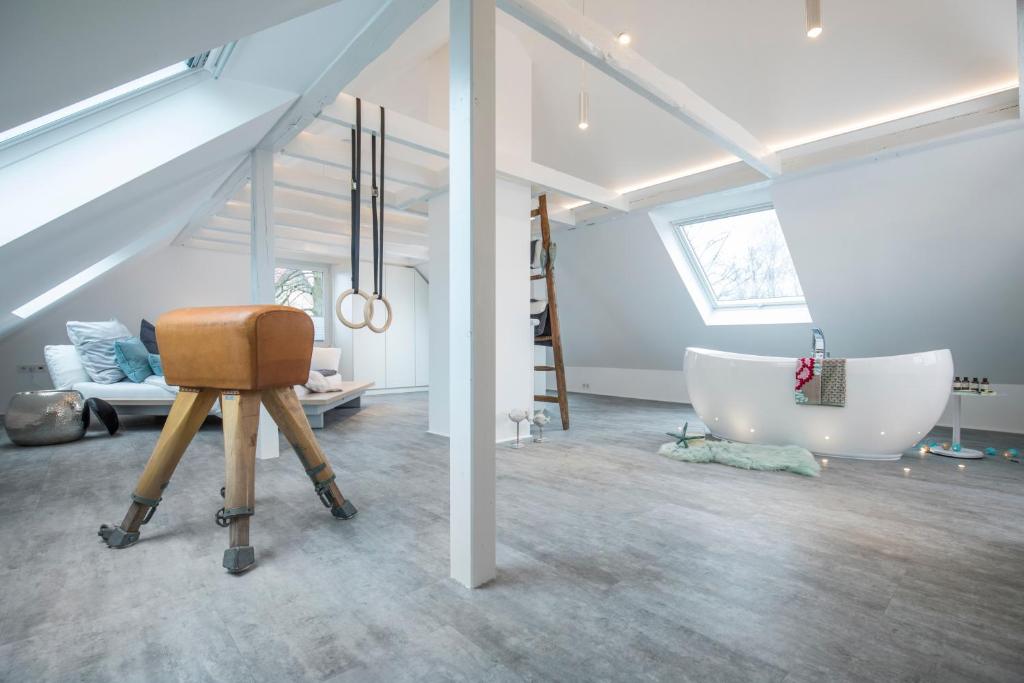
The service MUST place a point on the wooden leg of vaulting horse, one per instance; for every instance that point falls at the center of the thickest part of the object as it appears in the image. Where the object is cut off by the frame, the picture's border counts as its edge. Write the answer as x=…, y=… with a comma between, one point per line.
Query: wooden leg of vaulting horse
x=187, y=413
x=241, y=411
x=283, y=405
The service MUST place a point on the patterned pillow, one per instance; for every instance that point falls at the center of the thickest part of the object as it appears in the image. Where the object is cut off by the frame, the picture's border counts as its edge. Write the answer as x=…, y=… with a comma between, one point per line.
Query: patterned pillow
x=133, y=359
x=94, y=342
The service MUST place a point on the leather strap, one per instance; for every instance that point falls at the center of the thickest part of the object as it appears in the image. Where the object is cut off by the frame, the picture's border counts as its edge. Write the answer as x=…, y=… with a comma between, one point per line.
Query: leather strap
x=357, y=162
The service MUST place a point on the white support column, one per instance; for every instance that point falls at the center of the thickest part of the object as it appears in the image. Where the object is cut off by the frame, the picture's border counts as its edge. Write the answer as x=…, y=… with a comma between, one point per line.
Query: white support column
x=1020, y=58
x=472, y=258
x=261, y=269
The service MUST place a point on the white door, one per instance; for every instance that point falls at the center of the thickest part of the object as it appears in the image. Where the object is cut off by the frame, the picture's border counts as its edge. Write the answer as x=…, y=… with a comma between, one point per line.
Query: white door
x=422, y=331
x=400, y=289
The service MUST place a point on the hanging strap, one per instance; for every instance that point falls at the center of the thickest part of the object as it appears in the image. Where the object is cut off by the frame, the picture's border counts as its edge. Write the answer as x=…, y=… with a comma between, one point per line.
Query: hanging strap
x=379, y=285
x=373, y=210
x=357, y=153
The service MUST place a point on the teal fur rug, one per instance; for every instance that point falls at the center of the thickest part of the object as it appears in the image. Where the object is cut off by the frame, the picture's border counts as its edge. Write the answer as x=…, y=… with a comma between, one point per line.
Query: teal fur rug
x=747, y=456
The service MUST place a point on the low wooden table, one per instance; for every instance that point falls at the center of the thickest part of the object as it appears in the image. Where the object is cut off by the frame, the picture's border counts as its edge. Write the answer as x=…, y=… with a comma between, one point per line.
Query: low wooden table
x=313, y=405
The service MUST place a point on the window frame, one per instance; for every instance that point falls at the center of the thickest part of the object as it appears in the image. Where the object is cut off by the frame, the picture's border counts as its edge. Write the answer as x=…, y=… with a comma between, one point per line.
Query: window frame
x=702, y=276
x=669, y=218
x=325, y=268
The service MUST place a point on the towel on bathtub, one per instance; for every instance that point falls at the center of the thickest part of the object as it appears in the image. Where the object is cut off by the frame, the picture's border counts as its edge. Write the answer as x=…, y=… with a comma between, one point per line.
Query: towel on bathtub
x=826, y=387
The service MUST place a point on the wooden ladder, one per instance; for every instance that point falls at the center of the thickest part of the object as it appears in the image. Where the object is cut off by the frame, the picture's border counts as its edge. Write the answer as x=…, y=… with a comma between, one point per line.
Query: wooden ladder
x=555, y=339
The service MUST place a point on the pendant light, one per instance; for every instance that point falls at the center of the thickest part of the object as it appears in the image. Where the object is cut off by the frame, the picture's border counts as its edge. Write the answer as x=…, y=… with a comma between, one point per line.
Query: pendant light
x=813, y=18
x=584, y=120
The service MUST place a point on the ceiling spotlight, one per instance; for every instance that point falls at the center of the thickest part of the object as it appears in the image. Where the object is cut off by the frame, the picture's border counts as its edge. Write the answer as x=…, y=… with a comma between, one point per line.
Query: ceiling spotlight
x=813, y=18
x=624, y=38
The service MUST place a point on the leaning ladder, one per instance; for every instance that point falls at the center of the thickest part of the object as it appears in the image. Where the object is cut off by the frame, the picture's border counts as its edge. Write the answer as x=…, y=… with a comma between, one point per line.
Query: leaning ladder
x=555, y=340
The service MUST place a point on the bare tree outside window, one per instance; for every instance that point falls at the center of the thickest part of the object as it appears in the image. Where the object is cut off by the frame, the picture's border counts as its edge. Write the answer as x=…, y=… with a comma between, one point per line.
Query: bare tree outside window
x=743, y=259
x=302, y=289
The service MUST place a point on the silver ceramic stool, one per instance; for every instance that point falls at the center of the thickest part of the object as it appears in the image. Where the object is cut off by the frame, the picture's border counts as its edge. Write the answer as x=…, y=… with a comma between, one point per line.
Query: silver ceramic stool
x=44, y=418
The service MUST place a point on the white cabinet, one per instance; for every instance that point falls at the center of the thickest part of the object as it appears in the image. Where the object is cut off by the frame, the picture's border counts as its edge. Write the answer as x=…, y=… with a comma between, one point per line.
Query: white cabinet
x=400, y=339
x=395, y=359
x=422, y=331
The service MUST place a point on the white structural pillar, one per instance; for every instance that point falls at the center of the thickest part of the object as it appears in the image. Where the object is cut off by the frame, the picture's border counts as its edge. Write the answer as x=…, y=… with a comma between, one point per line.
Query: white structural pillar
x=472, y=258
x=261, y=269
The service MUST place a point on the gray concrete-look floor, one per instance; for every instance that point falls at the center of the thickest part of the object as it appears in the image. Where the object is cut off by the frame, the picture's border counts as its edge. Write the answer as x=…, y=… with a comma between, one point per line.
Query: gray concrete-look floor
x=614, y=564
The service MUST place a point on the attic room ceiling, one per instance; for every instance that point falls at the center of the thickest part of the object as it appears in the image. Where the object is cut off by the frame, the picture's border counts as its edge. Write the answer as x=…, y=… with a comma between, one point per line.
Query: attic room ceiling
x=876, y=60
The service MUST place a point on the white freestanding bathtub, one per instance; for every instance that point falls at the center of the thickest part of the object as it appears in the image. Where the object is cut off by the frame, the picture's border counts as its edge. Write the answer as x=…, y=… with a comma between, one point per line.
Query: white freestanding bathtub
x=891, y=402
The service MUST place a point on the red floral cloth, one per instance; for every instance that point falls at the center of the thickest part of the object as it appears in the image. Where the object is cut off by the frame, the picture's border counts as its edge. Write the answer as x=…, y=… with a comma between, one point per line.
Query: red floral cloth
x=804, y=372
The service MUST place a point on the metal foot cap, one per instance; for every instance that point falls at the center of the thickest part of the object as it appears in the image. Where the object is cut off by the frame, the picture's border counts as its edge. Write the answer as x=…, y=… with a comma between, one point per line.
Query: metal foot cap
x=237, y=560
x=345, y=511
x=116, y=537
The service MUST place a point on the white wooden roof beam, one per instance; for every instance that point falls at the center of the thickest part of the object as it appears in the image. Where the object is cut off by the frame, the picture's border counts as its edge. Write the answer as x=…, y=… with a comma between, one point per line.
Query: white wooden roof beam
x=379, y=34
x=597, y=46
x=334, y=152
x=405, y=130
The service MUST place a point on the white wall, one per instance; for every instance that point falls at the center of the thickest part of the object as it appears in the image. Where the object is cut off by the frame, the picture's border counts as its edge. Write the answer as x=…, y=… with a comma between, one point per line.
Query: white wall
x=919, y=251
x=170, y=278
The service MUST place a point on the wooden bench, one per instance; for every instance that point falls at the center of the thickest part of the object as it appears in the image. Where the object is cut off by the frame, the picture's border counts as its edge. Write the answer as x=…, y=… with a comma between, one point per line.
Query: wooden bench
x=314, y=405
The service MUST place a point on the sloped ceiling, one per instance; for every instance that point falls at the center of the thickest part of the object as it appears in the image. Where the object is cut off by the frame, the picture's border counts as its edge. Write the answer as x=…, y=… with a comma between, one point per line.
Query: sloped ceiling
x=54, y=53
x=914, y=252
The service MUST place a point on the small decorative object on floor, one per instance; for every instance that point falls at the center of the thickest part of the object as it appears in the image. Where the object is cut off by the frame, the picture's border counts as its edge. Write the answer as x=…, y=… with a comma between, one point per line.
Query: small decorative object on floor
x=518, y=416
x=540, y=418
x=681, y=438
x=747, y=456
x=47, y=418
x=991, y=451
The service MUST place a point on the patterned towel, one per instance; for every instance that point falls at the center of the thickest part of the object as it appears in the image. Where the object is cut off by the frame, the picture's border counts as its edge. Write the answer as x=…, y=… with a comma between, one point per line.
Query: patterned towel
x=820, y=384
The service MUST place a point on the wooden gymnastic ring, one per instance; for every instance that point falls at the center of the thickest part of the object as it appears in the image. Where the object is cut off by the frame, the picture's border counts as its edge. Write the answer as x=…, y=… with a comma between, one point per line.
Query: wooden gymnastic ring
x=341, y=316
x=368, y=314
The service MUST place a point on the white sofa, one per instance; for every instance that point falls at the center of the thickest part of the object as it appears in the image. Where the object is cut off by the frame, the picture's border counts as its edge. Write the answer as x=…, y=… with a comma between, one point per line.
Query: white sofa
x=154, y=396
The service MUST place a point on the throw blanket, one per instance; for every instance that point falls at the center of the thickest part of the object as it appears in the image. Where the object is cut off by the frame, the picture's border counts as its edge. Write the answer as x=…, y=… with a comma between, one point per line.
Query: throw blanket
x=747, y=456
x=319, y=382
x=820, y=383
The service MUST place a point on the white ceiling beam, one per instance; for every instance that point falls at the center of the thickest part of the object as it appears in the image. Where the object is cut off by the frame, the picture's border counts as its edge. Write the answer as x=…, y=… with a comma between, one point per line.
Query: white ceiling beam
x=405, y=130
x=234, y=218
x=334, y=152
x=227, y=189
x=300, y=245
x=379, y=33
x=1020, y=57
x=596, y=45
x=301, y=180
x=336, y=208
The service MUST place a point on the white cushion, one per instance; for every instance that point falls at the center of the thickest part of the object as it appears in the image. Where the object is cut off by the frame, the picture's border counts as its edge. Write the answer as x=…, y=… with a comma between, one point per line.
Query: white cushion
x=94, y=342
x=326, y=358
x=319, y=384
x=64, y=366
x=125, y=390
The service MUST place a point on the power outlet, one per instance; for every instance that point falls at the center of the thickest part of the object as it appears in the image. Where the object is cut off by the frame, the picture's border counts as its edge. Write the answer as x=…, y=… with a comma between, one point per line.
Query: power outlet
x=586, y=387
x=34, y=367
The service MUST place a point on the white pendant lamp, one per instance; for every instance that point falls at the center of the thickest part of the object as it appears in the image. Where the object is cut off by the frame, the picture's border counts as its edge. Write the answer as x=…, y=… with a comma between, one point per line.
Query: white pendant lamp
x=584, y=120
x=813, y=18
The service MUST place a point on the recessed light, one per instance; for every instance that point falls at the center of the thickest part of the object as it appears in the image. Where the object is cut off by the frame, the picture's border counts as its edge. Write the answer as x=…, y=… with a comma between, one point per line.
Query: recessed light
x=813, y=18
x=624, y=38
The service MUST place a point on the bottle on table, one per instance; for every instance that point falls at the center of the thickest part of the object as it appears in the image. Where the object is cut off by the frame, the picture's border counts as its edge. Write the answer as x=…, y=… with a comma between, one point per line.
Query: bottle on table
x=975, y=385
x=986, y=388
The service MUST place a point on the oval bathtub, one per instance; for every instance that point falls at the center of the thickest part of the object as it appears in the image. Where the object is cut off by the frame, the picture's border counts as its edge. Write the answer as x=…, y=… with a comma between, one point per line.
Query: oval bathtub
x=891, y=402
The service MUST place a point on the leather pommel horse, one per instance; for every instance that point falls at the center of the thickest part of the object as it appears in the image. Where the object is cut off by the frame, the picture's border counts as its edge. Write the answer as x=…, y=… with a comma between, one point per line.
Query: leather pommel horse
x=245, y=355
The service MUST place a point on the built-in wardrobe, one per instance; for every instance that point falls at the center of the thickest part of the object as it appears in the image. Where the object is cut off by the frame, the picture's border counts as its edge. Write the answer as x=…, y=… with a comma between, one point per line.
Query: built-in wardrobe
x=396, y=359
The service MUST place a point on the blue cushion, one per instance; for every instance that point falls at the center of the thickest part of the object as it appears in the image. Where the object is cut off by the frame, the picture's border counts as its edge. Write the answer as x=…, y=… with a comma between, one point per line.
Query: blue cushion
x=155, y=364
x=133, y=358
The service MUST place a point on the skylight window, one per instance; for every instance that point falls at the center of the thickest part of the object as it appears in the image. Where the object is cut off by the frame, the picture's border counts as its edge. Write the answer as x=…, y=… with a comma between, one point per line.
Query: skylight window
x=742, y=259
x=731, y=254
x=98, y=101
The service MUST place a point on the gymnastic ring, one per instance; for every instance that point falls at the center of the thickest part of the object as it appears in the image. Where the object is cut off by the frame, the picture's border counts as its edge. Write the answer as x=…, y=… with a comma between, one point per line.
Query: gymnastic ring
x=368, y=314
x=341, y=316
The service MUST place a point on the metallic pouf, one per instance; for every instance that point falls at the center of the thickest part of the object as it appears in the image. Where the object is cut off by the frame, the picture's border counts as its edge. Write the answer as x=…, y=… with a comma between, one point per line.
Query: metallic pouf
x=43, y=418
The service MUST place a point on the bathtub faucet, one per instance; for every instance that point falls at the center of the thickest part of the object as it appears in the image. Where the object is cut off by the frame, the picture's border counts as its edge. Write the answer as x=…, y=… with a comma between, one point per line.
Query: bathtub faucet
x=818, y=342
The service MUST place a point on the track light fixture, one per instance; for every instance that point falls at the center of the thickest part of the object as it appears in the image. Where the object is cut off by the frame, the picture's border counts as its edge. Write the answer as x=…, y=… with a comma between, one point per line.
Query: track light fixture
x=813, y=18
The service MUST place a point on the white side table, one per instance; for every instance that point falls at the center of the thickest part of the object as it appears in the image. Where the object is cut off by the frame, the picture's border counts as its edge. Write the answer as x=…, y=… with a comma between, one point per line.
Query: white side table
x=969, y=453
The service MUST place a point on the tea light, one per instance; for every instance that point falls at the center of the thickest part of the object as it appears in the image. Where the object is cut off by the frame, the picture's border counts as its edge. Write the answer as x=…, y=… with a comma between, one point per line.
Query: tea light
x=961, y=466
x=906, y=470
x=824, y=461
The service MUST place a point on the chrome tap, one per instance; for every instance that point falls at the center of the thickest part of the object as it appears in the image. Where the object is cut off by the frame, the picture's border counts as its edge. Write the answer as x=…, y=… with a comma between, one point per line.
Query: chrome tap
x=818, y=342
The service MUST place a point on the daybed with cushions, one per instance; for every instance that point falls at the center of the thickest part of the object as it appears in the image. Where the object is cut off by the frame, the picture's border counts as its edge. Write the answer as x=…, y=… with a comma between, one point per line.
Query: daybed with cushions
x=95, y=364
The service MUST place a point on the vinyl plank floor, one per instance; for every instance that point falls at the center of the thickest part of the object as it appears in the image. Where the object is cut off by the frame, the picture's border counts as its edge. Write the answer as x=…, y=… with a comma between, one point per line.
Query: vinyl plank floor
x=614, y=563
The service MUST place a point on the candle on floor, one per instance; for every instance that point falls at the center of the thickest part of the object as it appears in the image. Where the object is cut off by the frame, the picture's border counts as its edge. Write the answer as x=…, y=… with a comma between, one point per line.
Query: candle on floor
x=824, y=461
x=961, y=466
x=906, y=470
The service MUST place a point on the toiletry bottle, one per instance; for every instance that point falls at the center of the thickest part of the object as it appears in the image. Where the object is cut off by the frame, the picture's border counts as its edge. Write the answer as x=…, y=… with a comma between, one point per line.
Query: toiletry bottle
x=957, y=385
x=975, y=385
x=986, y=388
